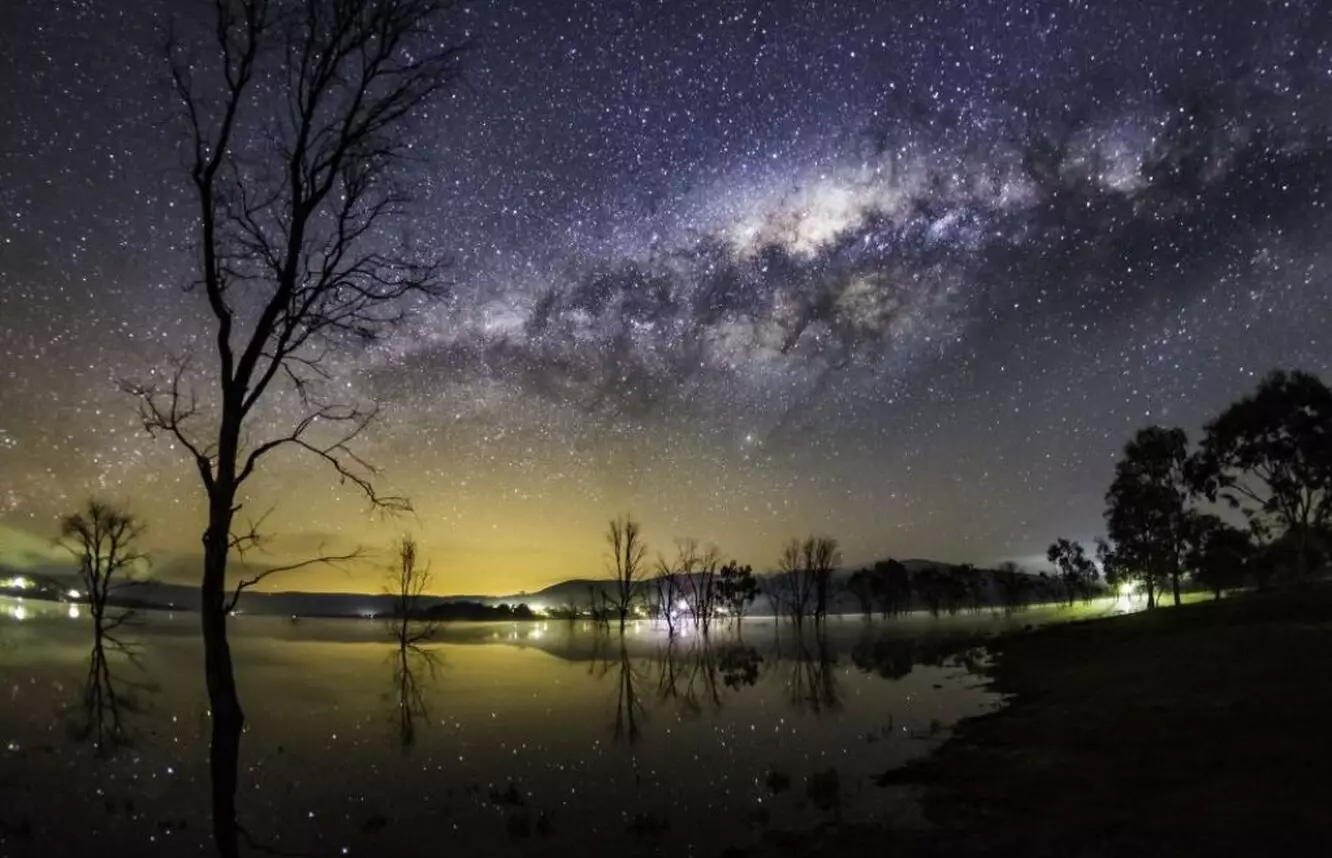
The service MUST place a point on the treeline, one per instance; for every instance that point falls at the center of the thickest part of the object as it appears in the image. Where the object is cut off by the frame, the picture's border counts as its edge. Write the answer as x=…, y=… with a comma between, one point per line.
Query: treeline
x=1266, y=461
x=889, y=589
x=695, y=589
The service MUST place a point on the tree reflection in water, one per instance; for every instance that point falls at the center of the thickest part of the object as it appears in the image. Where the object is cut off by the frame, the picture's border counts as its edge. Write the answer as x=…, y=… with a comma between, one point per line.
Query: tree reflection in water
x=109, y=698
x=630, y=710
x=812, y=684
x=415, y=668
x=695, y=677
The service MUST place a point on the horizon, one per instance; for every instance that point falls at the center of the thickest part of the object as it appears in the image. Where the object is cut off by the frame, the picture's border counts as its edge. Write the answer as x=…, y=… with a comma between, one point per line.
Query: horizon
x=791, y=276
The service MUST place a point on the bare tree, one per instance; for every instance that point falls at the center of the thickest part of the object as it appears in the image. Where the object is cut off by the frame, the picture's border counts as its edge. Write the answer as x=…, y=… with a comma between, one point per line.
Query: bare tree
x=668, y=592
x=408, y=583
x=820, y=559
x=106, y=542
x=793, y=586
x=624, y=537
x=294, y=119
x=700, y=582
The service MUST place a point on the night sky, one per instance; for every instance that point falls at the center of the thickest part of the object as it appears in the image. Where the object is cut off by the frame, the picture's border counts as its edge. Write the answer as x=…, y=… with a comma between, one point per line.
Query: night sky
x=908, y=274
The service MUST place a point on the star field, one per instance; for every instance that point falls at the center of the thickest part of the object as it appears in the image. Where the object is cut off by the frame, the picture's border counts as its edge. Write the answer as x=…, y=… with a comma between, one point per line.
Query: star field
x=908, y=274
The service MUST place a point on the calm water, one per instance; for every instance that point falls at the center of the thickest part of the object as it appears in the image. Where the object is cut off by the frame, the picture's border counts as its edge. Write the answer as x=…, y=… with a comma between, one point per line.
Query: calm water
x=507, y=739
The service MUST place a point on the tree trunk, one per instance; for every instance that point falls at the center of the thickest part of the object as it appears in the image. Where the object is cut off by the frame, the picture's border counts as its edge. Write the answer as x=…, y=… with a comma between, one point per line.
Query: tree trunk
x=1151, y=593
x=1174, y=581
x=224, y=702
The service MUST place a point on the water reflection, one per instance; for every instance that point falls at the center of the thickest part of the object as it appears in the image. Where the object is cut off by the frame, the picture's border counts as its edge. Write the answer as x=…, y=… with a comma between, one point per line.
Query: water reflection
x=630, y=709
x=415, y=671
x=663, y=730
x=886, y=656
x=695, y=676
x=812, y=683
x=111, y=695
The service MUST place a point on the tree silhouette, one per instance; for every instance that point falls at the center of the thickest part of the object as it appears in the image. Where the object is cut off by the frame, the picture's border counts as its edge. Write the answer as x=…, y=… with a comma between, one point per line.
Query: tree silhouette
x=1219, y=554
x=793, y=587
x=861, y=586
x=892, y=587
x=624, y=538
x=105, y=540
x=700, y=584
x=291, y=210
x=737, y=588
x=1012, y=586
x=408, y=583
x=1270, y=455
x=668, y=589
x=1146, y=507
x=821, y=560
x=1076, y=569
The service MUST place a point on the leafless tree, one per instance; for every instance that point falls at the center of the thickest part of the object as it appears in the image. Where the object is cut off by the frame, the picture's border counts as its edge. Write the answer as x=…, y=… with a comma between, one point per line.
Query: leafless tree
x=295, y=117
x=408, y=583
x=105, y=540
x=820, y=560
x=624, y=538
x=700, y=582
x=668, y=592
x=793, y=588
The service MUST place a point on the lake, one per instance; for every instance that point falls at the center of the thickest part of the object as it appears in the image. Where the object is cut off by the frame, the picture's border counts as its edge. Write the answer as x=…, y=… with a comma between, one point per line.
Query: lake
x=496, y=738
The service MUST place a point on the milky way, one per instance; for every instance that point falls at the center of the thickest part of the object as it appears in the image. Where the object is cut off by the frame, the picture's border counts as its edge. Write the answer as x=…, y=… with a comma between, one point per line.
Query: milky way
x=908, y=274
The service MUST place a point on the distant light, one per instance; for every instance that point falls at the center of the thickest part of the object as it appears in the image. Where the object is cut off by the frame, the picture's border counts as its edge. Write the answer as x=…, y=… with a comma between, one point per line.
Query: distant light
x=18, y=582
x=74, y=594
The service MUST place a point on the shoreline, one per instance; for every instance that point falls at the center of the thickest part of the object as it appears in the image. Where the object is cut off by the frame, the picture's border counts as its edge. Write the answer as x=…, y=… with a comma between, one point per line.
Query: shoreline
x=1201, y=729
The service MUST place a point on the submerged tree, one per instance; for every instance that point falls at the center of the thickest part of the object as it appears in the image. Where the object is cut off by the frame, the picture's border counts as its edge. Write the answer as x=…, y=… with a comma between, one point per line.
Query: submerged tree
x=624, y=538
x=106, y=542
x=295, y=121
x=408, y=583
x=700, y=584
x=737, y=589
x=793, y=587
x=1147, y=507
x=668, y=592
x=861, y=586
x=820, y=553
x=1270, y=455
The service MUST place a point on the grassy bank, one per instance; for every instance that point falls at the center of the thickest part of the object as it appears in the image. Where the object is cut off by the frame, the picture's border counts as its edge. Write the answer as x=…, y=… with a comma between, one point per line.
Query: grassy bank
x=1202, y=729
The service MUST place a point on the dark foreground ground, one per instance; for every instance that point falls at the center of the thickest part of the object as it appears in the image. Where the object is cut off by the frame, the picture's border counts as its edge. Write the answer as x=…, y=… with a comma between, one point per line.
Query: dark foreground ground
x=1199, y=730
